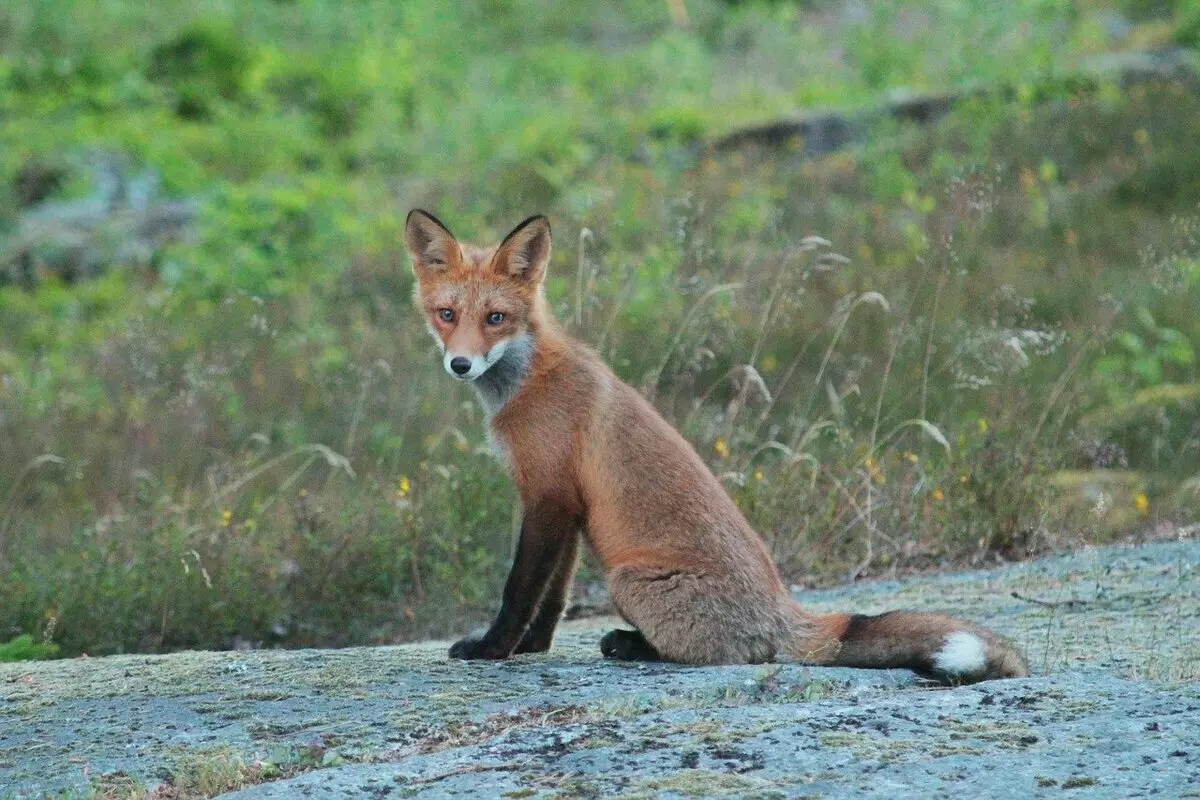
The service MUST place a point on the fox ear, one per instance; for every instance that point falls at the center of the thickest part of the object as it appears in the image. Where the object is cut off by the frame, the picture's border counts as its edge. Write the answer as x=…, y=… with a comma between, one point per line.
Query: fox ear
x=430, y=244
x=525, y=252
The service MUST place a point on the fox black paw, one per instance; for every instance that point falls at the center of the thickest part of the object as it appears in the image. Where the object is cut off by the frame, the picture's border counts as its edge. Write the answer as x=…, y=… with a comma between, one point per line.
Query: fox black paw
x=627, y=646
x=471, y=648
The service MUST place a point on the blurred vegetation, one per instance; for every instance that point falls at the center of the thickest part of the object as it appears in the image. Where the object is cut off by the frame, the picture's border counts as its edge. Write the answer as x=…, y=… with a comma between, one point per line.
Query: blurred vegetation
x=23, y=648
x=969, y=341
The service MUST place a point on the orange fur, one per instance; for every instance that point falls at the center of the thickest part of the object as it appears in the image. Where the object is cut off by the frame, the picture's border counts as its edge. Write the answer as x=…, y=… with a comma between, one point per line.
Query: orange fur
x=590, y=456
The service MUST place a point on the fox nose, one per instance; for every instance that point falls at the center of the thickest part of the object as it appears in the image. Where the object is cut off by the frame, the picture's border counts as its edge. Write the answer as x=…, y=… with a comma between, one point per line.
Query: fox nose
x=460, y=365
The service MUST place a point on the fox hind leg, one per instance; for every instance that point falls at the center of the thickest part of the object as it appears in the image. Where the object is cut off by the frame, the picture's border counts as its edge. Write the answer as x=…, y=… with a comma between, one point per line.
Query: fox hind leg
x=690, y=618
x=624, y=645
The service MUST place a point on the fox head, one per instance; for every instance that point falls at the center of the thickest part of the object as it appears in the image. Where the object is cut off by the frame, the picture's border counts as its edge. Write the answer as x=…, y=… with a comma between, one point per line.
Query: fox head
x=480, y=305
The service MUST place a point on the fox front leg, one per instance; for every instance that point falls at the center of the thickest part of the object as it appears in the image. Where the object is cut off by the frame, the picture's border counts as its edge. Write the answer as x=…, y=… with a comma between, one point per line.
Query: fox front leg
x=540, y=634
x=546, y=533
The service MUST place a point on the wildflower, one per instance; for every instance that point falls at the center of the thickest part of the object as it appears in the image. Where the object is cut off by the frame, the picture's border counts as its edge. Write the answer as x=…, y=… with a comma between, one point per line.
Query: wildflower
x=226, y=517
x=911, y=457
x=720, y=448
x=983, y=425
x=1142, y=503
x=758, y=473
x=964, y=478
x=303, y=493
x=938, y=495
x=873, y=470
x=403, y=486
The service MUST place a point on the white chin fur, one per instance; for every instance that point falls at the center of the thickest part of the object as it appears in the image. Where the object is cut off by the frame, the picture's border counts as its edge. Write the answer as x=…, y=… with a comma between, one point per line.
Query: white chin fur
x=962, y=654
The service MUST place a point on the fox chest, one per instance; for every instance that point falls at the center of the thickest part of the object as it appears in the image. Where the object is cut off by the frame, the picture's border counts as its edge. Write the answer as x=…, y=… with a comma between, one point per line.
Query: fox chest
x=538, y=459
x=499, y=448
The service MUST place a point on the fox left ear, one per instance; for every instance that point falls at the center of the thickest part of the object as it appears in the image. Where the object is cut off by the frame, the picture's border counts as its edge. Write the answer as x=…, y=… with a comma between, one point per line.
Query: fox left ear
x=525, y=252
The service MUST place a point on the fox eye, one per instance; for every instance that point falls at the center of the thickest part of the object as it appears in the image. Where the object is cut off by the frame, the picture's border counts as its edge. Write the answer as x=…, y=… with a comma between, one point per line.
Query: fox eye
x=495, y=318
x=446, y=314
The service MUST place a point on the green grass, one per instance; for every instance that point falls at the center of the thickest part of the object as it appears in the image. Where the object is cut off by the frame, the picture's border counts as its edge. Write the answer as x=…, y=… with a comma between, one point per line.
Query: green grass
x=245, y=435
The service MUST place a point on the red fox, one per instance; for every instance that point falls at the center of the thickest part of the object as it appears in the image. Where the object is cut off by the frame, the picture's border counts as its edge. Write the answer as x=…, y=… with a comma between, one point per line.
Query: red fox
x=592, y=458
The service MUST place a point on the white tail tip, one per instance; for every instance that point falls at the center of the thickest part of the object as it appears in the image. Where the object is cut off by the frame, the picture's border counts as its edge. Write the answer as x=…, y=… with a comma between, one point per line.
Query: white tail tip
x=962, y=654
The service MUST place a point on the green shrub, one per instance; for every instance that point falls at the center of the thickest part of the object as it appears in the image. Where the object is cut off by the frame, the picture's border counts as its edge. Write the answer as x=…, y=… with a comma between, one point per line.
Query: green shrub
x=23, y=648
x=203, y=64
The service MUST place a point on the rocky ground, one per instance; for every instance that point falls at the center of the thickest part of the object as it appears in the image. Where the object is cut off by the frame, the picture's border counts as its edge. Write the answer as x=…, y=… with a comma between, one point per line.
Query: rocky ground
x=1113, y=710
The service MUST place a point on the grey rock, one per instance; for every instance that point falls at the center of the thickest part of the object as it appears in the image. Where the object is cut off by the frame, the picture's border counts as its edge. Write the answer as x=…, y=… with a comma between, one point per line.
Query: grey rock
x=1113, y=710
x=122, y=222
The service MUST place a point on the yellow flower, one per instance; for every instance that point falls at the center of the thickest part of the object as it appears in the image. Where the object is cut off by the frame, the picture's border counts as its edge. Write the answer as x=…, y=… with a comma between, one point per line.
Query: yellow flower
x=938, y=495
x=303, y=493
x=911, y=458
x=226, y=518
x=758, y=473
x=874, y=471
x=721, y=448
x=964, y=478
x=403, y=487
x=983, y=425
x=1142, y=503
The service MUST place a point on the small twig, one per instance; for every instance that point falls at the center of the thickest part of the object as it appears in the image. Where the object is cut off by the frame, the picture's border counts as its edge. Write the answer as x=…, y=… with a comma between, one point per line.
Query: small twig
x=467, y=770
x=937, y=297
x=1052, y=603
x=585, y=236
x=336, y=461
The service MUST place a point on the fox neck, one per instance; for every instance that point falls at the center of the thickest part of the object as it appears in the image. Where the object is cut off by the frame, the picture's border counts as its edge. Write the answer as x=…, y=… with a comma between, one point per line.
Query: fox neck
x=504, y=378
x=538, y=346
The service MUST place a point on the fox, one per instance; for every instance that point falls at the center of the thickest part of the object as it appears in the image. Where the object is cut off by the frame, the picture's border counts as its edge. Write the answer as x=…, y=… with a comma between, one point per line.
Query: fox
x=593, y=461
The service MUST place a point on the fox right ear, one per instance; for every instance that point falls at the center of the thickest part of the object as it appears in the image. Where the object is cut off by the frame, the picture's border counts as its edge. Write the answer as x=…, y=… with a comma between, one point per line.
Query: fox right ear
x=431, y=245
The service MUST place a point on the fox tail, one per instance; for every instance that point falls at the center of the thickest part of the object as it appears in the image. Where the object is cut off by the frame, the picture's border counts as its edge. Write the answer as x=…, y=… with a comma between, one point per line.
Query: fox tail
x=932, y=645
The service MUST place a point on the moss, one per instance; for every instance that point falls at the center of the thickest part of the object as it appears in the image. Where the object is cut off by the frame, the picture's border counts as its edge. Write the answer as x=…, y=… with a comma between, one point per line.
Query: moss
x=1007, y=735
x=208, y=772
x=705, y=783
